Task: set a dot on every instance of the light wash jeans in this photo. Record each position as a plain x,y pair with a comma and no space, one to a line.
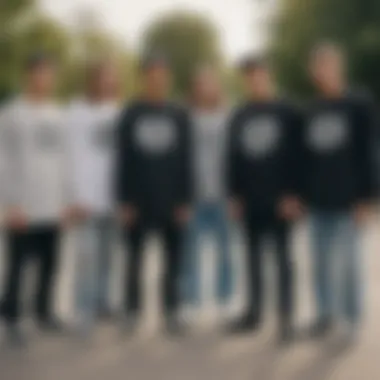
209,219
94,244
336,264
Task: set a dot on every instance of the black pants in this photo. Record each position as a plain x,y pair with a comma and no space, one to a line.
257,228
40,244
135,238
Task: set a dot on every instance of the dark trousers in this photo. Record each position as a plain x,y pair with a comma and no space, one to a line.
135,238
257,228
40,244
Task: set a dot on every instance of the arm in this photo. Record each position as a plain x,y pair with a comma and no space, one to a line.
364,151
185,195
11,173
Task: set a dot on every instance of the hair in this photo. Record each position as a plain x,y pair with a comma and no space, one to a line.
326,47
199,70
92,71
37,60
153,59
252,63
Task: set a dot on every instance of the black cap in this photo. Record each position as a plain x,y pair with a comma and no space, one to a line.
253,62
37,59
153,60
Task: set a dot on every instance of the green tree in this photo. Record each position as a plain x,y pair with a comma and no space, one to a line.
187,39
351,23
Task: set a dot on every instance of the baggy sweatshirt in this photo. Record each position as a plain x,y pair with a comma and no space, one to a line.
33,159
153,163
263,154
91,130
338,160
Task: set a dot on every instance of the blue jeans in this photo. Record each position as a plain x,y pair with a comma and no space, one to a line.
209,219
95,239
336,264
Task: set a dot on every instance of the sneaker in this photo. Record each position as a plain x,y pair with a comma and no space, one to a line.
129,324
321,328
286,334
50,325
246,324
174,326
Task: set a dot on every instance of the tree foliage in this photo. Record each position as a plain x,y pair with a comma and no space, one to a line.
351,23
187,39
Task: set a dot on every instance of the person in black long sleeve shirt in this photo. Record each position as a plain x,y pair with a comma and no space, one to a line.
153,183
338,185
264,185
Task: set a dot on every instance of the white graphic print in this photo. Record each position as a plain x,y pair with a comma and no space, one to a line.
260,136
155,135
327,133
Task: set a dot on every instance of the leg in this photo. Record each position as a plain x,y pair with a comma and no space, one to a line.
284,264
172,237
86,272
134,240
47,251
224,272
322,236
17,248
193,248
350,264
252,317
106,234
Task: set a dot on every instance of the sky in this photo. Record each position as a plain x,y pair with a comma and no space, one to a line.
238,21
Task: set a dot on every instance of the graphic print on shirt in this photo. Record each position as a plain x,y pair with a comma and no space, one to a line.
327,133
260,136
154,135
103,136
46,137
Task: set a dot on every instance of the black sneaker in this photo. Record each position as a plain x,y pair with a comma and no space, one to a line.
321,328
129,324
286,334
174,326
105,315
246,324
51,325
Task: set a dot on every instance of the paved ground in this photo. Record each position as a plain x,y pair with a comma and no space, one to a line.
204,355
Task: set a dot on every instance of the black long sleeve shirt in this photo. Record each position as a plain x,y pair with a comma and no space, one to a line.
153,159
263,157
338,165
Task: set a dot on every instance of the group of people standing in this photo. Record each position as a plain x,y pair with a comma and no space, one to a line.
154,165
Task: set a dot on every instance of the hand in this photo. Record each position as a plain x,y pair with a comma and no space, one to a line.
16,219
128,215
290,208
362,213
182,215
235,209
76,214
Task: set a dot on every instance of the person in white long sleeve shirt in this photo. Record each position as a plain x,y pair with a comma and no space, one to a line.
91,125
33,190
210,117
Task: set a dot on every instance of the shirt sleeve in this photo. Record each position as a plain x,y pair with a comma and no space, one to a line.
295,165
125,165
10,153
186,183
233,167
364,149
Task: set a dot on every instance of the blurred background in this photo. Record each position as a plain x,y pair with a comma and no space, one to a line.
189,31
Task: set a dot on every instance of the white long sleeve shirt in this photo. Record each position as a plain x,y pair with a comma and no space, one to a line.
33,159
91,130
